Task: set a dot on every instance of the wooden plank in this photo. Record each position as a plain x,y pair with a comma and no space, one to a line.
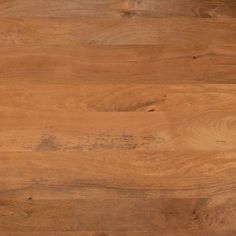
113,31
119,215
116,174
190,64
118,8
117,98
68,131
123,233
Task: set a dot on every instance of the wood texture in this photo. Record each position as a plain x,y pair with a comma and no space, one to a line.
118,64
117,118
29,131
113,31
125,233
112,174
117,8
117,98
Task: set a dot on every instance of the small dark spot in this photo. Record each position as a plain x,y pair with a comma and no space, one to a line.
194,57
30,198
151,110
128,14
92,41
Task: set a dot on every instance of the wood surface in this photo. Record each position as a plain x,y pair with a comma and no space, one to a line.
117,117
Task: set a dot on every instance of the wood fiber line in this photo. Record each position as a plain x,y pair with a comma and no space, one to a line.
117,8
116,174
113,31
190,64
117,98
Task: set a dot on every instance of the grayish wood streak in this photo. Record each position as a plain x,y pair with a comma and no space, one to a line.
22,131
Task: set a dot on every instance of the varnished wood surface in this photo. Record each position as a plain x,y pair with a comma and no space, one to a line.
43,175
76,98
191,64
117,8
117,118
125,233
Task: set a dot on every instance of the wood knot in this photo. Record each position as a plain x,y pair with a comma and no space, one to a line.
128,14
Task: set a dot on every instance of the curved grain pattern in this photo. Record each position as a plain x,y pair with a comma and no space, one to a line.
117,98
117,174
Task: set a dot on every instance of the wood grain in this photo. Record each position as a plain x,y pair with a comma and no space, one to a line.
117,118
91,199
29,131
125,233
92,215
116,98
113,31
112,174
190,64
117,8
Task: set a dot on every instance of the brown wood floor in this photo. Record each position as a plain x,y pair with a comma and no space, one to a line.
117,117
